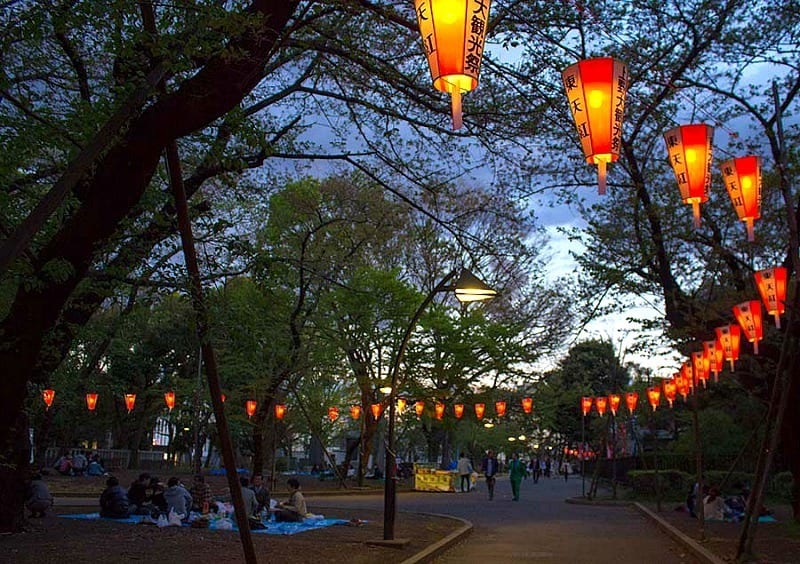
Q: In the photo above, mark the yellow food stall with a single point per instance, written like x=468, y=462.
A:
x=429, y=479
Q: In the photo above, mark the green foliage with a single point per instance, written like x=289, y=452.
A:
x=673, y=483
x=782, y=486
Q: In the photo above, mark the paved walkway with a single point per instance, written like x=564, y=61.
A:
x=541, y=527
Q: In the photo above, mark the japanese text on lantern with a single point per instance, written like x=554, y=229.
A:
x=621, y=72
x=472, y=58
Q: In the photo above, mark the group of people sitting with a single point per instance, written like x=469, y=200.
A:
x=148, y=496
x=80, y=464
x=720, y=508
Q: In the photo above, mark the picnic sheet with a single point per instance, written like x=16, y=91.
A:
x=273, y=528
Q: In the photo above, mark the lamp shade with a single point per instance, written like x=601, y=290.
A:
x=771, y=284
x=749, y=316
x=480, y=409
x=280, y=411
x=682, y=386
x=689, y=148
x=333, y=413
x=376, y=409
x=169, y=399
x=470, y=288
x=91, y=401
x=670, y=390
x=631, y=399
x=500, y=408
x=48, y=396
x=527, y=405
x=596, y=91
x=654, y=397
x=250, y=408
x=742, y=177
x=439, y=410
x=586, y=405
x=453, y=34
x=699, y=367
x=419, y=407
x=613, y=403
x=601, y=403
x=713, y=355
x=458, y=409
x=729, y=337
x=130, y=401
x=355, y=411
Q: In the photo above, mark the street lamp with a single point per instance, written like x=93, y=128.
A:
x=467, y=288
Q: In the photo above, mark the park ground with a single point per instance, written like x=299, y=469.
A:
x=53, y=539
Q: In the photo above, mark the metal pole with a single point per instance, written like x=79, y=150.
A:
x=583, y=456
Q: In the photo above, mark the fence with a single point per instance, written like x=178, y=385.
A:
x=113, y=459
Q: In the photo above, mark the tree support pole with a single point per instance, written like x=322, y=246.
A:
x=209, y=358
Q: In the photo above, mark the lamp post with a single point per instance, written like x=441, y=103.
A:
x=467, y=288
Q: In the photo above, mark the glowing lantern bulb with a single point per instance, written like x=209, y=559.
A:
x=458, y=409
x=401, y=404
x=333, y=413
x=250, y=408
x=130, y=401
x=48, y=396
x=613, y=403
x=91, y=401
x=355, y=412
x=771, y=284
x=742, y=178
x=601, y=403
x=596, y=91
x=280, y=411
x=631, y=399
x=453, y=34
x=500, y=408
x=169, y=399
x=527, y=405
x=689, y=149
x=670, y=391
x=480, y=409
x=376, y=409
x=586, y=405
x=419, y=408
x=653, y=396
x=439, y=410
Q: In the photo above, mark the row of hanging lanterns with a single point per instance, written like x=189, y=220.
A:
x=612, y=402
x=48, y=396
x=453, y=35
x=439, y=409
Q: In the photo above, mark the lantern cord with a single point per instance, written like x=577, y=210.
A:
x=456, y=108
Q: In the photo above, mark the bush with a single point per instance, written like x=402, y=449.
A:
x=673, y=483
x=715, y=478
x=781, y=486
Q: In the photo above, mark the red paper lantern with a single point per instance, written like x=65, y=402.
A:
x=749, y=316
x=500, y=408
x=653, y=396
x=480, y=409
x=670, y=390
x=401, y=404
x=596, y=90
x=453, y=33
x=699, y=367
x=689, y=148
x=631, y=399
x=713, y=355
x=355, y=411
x=742, y=178
x=130, y=401
x=223, y=397
x=91, y=401
x=48, y=396
x=613, y=403
x=250, y=408
x=682, y=386
x=586, y=405
x=439, y=410
x=458, y=409
x=169, y=399
x=376, y=409
x=527, y=405
x=729, y=337
x=333, y=413
x=771, y=284
x=280, y=411
x=419, y=408
x=687, y=373
x=601, y=403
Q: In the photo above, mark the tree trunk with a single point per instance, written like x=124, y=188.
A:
x=13, y=475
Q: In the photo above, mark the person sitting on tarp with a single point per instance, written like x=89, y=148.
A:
x=156, y=497
x=114, y=500
x=294, y=509
x=178, y=498
x=137, y=495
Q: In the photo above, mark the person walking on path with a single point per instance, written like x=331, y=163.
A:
x=489, y=468
x=516, y=470
x=464, y=468
x=566, y=468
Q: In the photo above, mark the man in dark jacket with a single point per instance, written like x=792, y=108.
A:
x=137, y=494
x=490, y=467
x=262, y=494
x=114, y=500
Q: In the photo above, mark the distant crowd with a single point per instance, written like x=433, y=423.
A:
x=82, y=463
